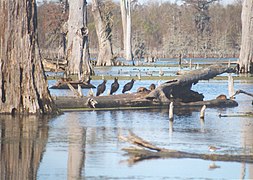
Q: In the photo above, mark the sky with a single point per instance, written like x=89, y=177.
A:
x=143, y=1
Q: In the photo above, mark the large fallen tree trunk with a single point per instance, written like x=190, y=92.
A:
x=181, y=86
x=136, y=100
x=147, y=150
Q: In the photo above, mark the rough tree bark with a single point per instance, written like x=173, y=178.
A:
x=246, y=53
x=126, y=23
x=103, y=29
x=23, y=86
x=77, y=37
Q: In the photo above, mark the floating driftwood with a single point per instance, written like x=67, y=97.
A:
x=146, y=150
x=247, y=114
x=64, y=85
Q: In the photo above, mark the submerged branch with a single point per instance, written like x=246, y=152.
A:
x=147, y=152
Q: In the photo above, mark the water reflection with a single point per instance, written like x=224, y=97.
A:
x=85, y=145
x=76, y=147
x=23, y=141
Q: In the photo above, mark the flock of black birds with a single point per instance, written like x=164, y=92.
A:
x=115, y=86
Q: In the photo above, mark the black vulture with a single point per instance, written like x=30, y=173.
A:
x=128, y=86
x=114, y=86
x=101, y=88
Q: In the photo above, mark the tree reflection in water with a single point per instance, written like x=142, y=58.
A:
x=76, y=148
x=23, y=141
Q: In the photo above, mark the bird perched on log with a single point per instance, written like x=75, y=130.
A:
x=114, y=86
x=152, y=87
x=128, y=86
x=91, y=103
x=101, y=88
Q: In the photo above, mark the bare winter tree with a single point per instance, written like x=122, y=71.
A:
x=202, y=22
x=126, y=23
x=77, y=37
x=246, y=53
x=104, y=33
x=23, y=86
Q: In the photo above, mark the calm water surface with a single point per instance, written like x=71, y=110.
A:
x=85, y=145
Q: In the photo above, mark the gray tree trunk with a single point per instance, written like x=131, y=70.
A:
x=77, y=37
x=103, y=29
x=127, y=31
x=246, y=53
x=23, y=86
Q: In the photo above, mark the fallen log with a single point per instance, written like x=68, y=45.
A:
x=146, y=151
x=131, y=101
x=64, y=85
x=180, y=87
x=177, y=91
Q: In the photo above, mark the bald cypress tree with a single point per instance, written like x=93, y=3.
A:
x=77, y=47
x=104, y=33
x=246, y=53
x=23, y=85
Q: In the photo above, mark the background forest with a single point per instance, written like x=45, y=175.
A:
x=161, y=29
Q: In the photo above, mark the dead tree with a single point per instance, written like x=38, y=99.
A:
x=77, y=37
x=179, y=89
x=246, y=53
x=127, y=31
x=23, y=85
x=104, y=33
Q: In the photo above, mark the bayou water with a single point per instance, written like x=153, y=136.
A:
x=85, y=145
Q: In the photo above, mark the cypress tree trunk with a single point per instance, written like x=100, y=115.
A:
x=127, y=31
x=103, y=29
x=77, y=37
x=23, y=86
x=246, y=53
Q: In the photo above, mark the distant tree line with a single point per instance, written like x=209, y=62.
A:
x=163, y=29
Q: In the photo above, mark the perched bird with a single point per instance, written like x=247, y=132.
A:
x=114, y=86
x=101, y=88
x=213, y=148
x=128, y=86
x=91, y=103
x=152, y=87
